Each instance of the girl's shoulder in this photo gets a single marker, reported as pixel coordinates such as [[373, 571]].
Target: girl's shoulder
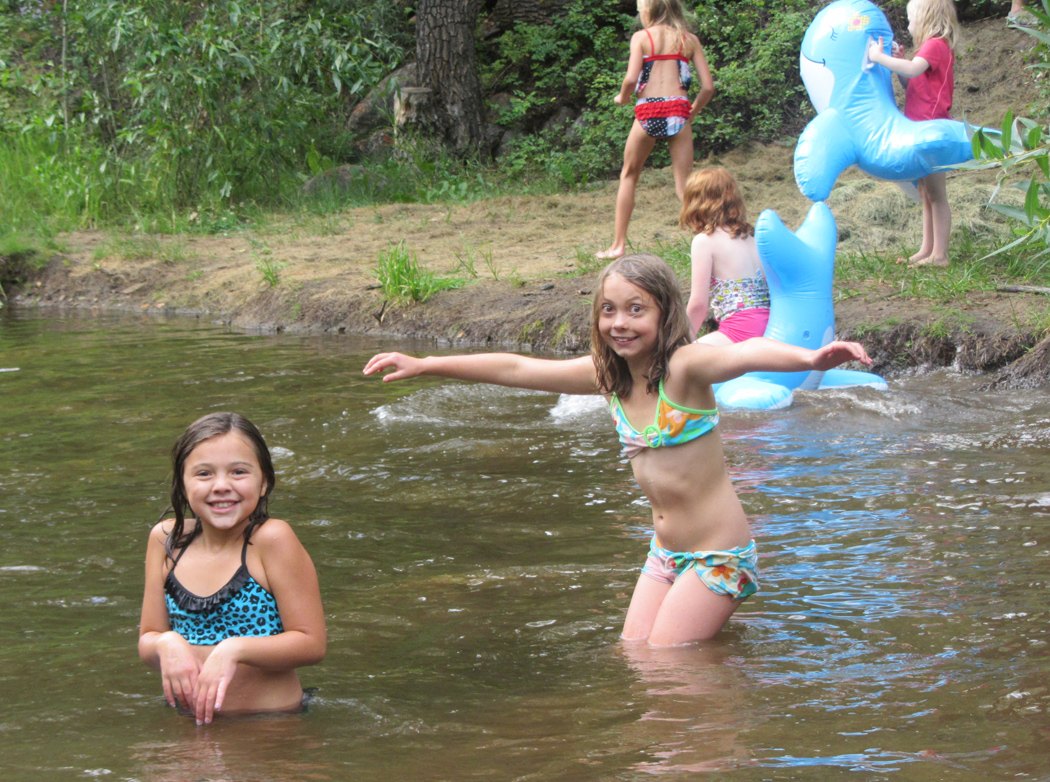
[[640, 36], [686, 368], [273, 533], [161, 530], [703, 238], [690, 44], [718, 236]]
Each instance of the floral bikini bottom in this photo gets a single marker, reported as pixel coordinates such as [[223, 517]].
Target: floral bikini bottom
[[733, 572]]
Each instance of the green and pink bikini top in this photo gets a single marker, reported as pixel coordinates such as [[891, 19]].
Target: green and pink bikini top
[[673, 425]]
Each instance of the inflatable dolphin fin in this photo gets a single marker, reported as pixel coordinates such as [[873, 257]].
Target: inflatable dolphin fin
[[824, 150]]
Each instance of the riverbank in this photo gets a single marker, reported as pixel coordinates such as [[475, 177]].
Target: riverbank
[[281, 281], [527, 261]]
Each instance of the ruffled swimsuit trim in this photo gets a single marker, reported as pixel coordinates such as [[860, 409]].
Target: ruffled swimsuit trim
[[188, 601], [241, 608]]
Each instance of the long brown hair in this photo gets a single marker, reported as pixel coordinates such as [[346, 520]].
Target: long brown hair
[[656, 278], [205, 428], [711, 200]]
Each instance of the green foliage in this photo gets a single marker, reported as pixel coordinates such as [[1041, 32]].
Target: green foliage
[[270, 271], [753, 52], [17, 258], [403, 280], [574, 62], [157, 107], [1036, 23], [579, 59], [1021, 154]]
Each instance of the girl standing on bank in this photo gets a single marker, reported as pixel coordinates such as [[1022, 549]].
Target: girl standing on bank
[[658, 72], [702, 561], [231, 606], [929, 82]]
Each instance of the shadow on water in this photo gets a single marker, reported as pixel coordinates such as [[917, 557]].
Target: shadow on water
[[477, 547]]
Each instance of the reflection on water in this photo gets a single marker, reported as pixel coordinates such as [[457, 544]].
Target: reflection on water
[[477, 547]]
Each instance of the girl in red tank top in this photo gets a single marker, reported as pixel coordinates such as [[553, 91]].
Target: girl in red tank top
[[929, 81]]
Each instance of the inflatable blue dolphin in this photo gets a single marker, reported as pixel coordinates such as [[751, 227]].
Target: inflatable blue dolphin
[[858, 122], [799, 268]]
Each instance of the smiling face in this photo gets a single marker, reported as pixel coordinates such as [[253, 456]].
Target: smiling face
[[223, 481], [628, 319]]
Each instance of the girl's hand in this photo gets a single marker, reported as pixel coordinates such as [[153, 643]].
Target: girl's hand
[[835, 353], [896, 49], [179, 670], [215, 677], [403, 366], [618, 100], [875, 50]]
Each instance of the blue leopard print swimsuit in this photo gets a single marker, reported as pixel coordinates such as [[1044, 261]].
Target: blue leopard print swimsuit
[[240, 608]]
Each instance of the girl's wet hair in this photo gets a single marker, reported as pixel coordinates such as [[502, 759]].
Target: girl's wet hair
[[205, 428], [711, 200], [656, 278], [934, 19]]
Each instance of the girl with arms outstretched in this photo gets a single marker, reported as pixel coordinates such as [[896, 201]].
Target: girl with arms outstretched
[[702, 561]]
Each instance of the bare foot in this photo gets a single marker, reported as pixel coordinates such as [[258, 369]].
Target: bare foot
[[931, 261], [918, 258], [609, 255]]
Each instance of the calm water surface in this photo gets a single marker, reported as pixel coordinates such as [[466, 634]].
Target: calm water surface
[[477, 547]]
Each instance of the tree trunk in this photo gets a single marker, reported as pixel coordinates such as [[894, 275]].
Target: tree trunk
[[448, 69]]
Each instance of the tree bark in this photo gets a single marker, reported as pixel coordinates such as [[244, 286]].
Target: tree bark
[[448, 69]]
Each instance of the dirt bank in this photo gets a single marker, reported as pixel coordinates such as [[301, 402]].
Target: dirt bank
[[529, 260]]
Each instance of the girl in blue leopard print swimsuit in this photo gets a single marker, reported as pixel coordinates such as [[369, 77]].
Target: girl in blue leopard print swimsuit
[[231, 606]]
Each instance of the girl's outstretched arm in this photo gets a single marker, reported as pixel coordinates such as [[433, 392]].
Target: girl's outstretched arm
[[559, 376], [717, 363]]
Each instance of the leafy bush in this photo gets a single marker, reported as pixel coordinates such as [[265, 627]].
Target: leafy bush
[[1021, 153], [753, 52], [578, 61], [192, 104]]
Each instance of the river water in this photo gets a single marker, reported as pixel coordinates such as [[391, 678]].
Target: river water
[[477, 547]]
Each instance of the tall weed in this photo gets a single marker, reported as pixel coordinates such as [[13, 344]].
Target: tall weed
[[402, 279]]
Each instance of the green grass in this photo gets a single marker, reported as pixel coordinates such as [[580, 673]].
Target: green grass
[[971, 270], [468, 260], [141, 247], [403, 280]]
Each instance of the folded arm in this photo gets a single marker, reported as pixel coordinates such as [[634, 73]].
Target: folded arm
[[292, 579], [707, 82]]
